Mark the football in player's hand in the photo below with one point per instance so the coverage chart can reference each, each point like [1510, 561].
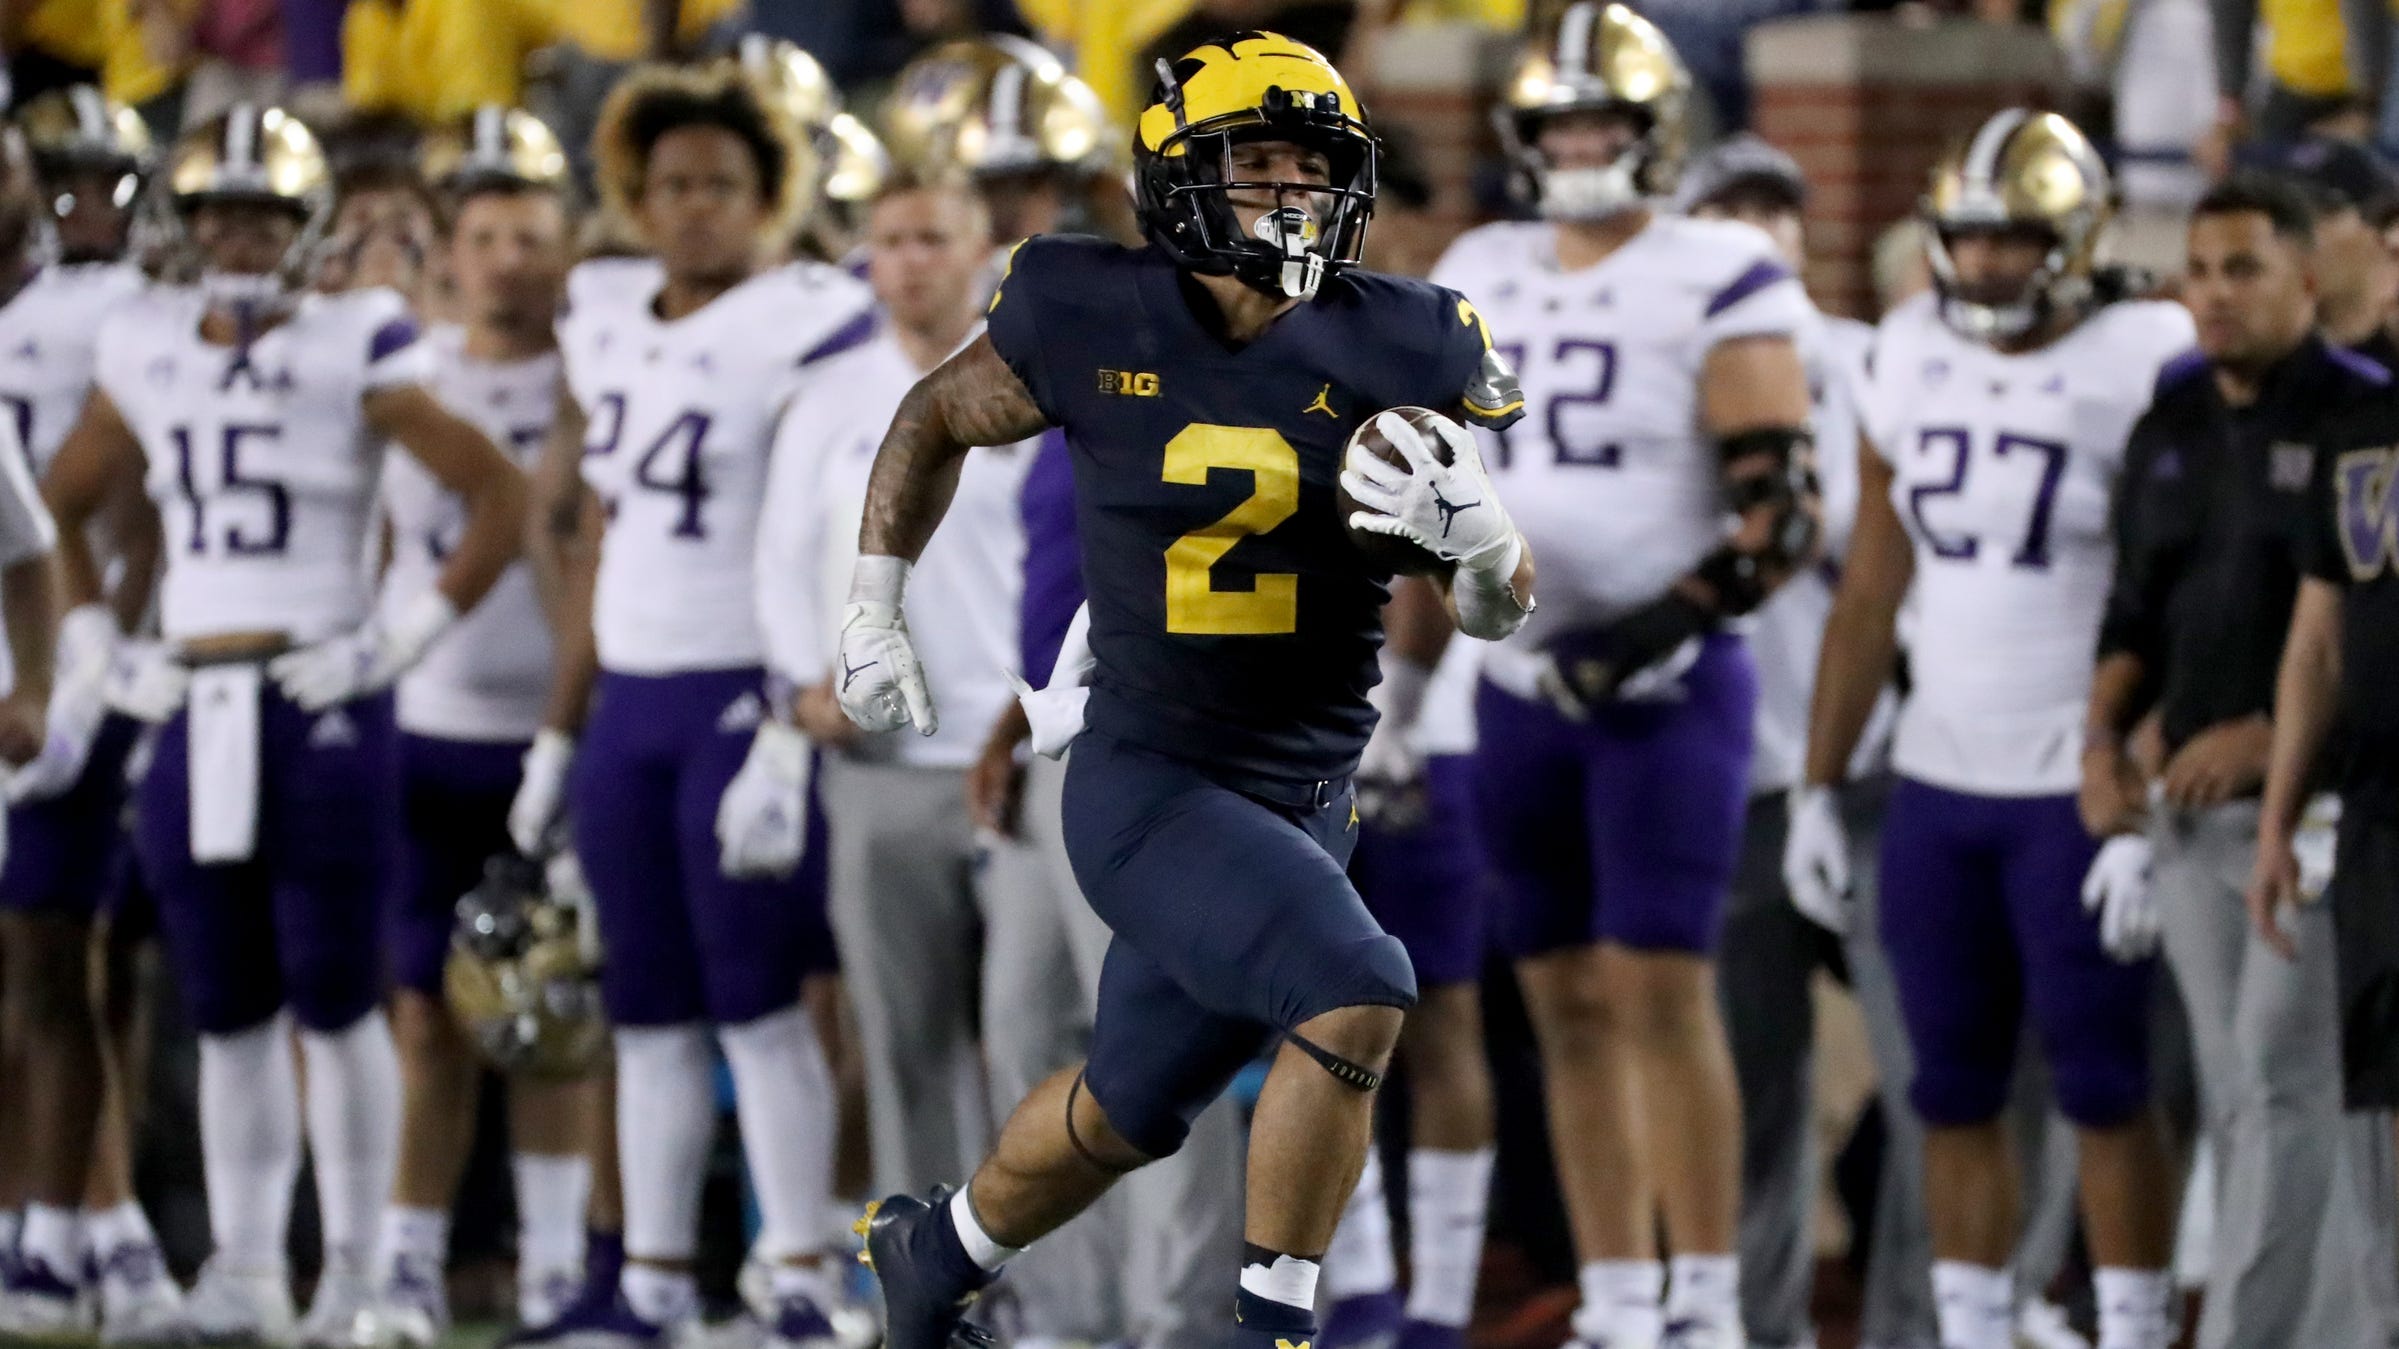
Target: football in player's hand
[1386, 551]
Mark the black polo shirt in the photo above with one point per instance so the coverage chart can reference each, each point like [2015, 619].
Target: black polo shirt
[2211, 513]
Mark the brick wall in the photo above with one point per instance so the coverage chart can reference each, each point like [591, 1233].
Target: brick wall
[1866, 105]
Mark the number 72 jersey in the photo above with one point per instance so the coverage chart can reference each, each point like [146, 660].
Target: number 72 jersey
[2003, 472]
[680, 418]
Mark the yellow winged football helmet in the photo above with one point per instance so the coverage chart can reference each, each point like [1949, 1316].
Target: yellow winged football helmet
[1253, 86]
[494, 144]
[1597, 57]
[2022, 171]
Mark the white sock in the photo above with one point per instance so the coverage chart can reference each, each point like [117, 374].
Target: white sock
[54, 1235]
[783, 1095]
[353, 1110]
[415, 1236]
[2136, 1308]
[1705, 1289]
[665, 1122]
[1975, 1304]
[551, 1194]
[661, 1297]
[1449, 1196]
[118, 1226]
[1290, 1281]
[987, 1253]
[1620, 1302]
[1359, 1262]
[250, 1141]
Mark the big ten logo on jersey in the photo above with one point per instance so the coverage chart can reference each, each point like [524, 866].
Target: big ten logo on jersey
[1573, 380]
[2366, 488]
[1132, 383]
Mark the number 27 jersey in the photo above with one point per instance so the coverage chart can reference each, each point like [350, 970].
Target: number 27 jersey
[2003, 470]
[680, 418]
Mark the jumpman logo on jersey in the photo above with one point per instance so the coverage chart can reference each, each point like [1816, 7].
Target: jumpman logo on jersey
[1322, 404]
[850, 672]
[1450, 511]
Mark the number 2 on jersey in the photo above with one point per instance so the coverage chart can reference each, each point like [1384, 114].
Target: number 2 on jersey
[1194, 605]
[672, 463]
[2033, 552]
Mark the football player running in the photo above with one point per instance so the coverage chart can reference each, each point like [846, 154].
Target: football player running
[88, 157]
[1996, 414]
[689, 785]
[1665, 392]
[269, 818]
[1234, 626]
[467, 716]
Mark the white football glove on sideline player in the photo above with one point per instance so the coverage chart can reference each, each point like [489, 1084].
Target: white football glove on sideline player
[87, 643]
[1449, 510]
[537, 817]
[367, 660]
[881, 684]
[2117, 889]
[147, 681]
[1816, 859]
[1390, 771]
[762, 819]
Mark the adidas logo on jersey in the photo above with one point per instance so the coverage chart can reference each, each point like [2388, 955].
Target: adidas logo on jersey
[333, 730]
[742, 714]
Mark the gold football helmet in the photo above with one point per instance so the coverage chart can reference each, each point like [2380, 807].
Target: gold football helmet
[259, 155]
[2021, 172]
[1599, 56]
[1253, 86]
[995, 105]
[521, 975]
[79, 127]
[785, 72]
[494, 144]
[852, 164]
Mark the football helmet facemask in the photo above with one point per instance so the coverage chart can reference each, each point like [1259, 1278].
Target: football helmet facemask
[1599, 58]
[2027, 172]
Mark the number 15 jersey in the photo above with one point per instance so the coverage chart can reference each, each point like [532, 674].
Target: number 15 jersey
[2003, 469]
[680, 420]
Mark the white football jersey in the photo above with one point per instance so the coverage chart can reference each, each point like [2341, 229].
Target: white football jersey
[1609, 474]
[260, 457]
[48, 336]
[2003, 470]
[681, 421]
[1787, 633]
[963, 593]
[488, 676]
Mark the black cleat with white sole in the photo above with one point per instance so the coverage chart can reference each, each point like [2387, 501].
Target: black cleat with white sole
[927, 1278]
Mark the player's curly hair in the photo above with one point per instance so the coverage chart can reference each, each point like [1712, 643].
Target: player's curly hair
[655, 100]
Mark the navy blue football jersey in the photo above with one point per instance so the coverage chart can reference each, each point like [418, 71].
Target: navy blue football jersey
[1234, 623]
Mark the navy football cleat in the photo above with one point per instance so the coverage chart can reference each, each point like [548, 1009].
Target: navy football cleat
[928, 1281]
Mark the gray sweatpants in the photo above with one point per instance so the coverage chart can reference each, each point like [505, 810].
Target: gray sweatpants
[2290, 1173]
[1154, 1261]
[904, 909]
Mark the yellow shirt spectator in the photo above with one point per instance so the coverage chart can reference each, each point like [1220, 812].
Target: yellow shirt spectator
[2305, 52]
[437, 60]
[1103, 35]
[613, 30]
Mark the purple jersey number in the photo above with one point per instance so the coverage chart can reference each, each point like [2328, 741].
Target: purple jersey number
[1955, 444]
[230, 483]
[1599, 383]
[672, 464]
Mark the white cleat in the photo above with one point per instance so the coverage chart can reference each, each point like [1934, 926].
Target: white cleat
[542, 1295]
[344, 1313]
[140, 1306]
[231, 1305]
[2041, 1324]
[1702, 1335]
[415, 1309]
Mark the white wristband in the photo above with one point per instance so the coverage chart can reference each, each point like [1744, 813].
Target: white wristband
[879, 579]
[1485, 598]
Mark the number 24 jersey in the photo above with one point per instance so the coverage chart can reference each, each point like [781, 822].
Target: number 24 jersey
[680, 421]
[2003, 471]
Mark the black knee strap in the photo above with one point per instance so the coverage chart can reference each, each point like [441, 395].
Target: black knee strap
[1075, 1136]
[1355, 1076]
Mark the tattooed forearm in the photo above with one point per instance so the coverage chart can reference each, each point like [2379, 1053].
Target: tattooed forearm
[972, 399]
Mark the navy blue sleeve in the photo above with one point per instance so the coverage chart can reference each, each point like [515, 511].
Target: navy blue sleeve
[1014, 323]
[1487, 389]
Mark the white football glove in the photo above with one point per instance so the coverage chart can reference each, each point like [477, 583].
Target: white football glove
[87, 643]
[147, 681]
[1816, 859]
[2117, 890]
[537, 817]
[881, 684]
[1449, 510]
[368, 660]
[762, 819]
